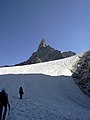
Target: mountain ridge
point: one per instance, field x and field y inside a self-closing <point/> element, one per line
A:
<point x="46" y="53"/>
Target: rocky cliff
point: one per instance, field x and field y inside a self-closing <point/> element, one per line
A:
<point x="46" y="53"/>
<point x="82" y="73"/>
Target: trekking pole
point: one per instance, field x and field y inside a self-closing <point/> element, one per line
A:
<point x="9" y="115"/>
<point x="15" y="106"/>
<point x="9" y="112"/>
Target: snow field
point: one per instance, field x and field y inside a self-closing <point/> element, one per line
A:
<point x="50" y="92"/>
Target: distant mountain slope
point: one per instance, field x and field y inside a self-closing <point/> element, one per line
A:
<point x="46" y="53"/>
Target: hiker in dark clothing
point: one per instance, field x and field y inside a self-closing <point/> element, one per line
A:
<point x="21" y="92"/>
<point x="3" y="104"/>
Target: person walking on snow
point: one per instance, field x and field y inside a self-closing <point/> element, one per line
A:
<point x="3" y="104"/>
<point x="21" y="92"/>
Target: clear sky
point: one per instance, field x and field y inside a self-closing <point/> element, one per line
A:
<point x="65" y="25"/>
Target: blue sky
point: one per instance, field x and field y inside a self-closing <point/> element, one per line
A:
<point x="65" y="25"/>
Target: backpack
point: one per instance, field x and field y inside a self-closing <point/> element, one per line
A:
<point x="21" y="90"/>
<point x="3" y="99"/>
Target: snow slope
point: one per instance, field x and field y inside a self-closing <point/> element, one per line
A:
<point x="50" y="92"/>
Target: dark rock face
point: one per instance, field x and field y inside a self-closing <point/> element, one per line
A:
<point x="42" y="44"/>
<point x="82" y="73"/>
<point x="68" y="54"/>
<point x="46" y="53"/>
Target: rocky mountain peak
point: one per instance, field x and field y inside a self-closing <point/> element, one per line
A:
<point x="42" y="44"/>
<point x="46" y="53"/>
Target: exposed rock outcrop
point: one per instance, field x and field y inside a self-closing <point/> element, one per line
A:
<point x="68" y="54"/>
<point x="46" y="53"/>
<point x="82" y="73"/>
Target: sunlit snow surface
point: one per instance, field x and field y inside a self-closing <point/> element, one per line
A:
<point x="50" y="92"/>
